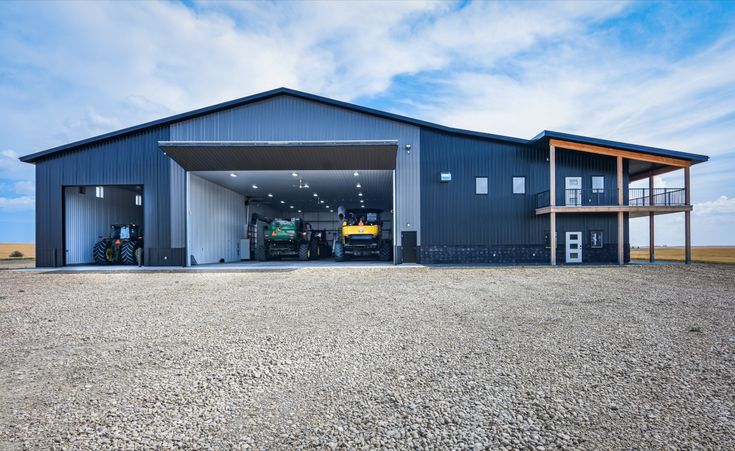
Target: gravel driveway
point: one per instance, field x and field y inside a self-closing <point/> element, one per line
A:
<point x="536" y="358"/>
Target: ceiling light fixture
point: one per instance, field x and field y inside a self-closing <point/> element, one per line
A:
<point x="331" y="211"/>
<point x="294" y="174"/>
<point x="362" y="206"/>
<point x="299" y="211"/>
<point x="270" y="195"/>
<point x="232" y="174"/>
<point x="315" y="195"/>
<point x="362" y="201"/>
<point x="359" y="194"/>
<point x="255" y="186"/>
<point x="283" y="201"/>
<point x="290" y="206"/>
<point x="355" y="173"/>
<point x="358" y="185"/>
<point x="321" y="201"/>
<point x="306" y="185"/>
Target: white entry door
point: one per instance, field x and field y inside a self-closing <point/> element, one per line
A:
<point x="574" y="247"/>
<point x="573" y="191"/>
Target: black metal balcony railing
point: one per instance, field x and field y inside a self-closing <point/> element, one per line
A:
<point x="641" y="197"/>
<point x="637" y="197"/>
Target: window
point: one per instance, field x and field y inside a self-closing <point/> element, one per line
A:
<point x="481" y="185"/>
<point x="598" y="184"/>
<point x="138" y="199"/>
<point x="99" y="191"/>
<point x="519" y="185"/>
<point x="596" y="239"/>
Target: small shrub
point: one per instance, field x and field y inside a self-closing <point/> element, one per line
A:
<point x="16" y="254"/>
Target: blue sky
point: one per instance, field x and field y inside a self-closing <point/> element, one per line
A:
<point x="660" y="74"/>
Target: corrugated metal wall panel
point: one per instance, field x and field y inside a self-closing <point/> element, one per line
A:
<point x="217" y="221"/>
<point x="131" y="160"/>
<point x="89" y="217"/>
<point x="452" y="214"/>
<point x="288" y="118"/>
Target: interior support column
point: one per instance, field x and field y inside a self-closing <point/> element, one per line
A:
<point x="552" y="202"/>
<point x="621" y="217"/>
<point x="687" y="219"/>
<point x="651" y="240"/>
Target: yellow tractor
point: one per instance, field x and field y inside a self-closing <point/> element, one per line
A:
<point x="360" y="235"/>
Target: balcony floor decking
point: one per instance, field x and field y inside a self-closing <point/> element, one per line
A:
<point x="635" y="211"/>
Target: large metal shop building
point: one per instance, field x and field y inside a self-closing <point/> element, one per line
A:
<point x="192" y="182"/>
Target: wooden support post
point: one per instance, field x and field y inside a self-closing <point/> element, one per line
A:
<point x="687" y="219"/>
<point x="621" y="216"/>
<point x="651" y="239"/>
<point x="552" y="202"/>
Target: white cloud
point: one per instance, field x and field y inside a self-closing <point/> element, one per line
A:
<point x="25" y="187"/>
<point x="23" y="203"/>
<point x="721" y="205"/>
<point x="12" y="168"/>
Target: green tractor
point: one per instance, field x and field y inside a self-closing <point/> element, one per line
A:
<point x="287" y="238"/>
<point x="123" y="246"/>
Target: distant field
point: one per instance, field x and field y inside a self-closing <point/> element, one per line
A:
<point x="28" y="249"/>
<point x="714" y="254"/>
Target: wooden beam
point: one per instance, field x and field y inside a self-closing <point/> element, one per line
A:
<point x="621" y="238"/>
<point x="552" y="237"/>
<point x="687" y="219"/>
<point x="620" y="180"/>
<point x="552" y="175"/>
<point x="601" y="150"/>
<point x="651" y="240"/>
<point x="552" y="202"/>
<point x="640" y="211"/>
<point x="659" y="171"/>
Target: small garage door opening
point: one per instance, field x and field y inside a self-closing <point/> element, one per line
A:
<point x="89" y="214"/>
<point x="230" y="211"/>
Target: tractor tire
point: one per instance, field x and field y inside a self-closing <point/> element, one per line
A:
<point x="139" y="255"/>
<point x="127" y="253"/>
<point x="339" y="252"/>
<point x="314" y="251"/>
<point x="99" y="253"/>
<point x="304" y="252"/>
<point x="386" y="251"/>
<point x="261" y="253"/>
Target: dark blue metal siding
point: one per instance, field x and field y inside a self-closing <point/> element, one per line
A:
<point x="131" y="160"/>
<point x="571" y="163"/>
<point x="452" y="214"/>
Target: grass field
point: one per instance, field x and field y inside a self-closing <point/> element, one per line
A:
<point x="704" y="254"/>
<point x="28" y="249"/>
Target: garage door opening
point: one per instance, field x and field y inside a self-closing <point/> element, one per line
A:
<point x="279" y="215"/>
<point x="103" y="223"/>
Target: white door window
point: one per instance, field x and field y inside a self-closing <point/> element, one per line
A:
<point x="574" y="247"/>
<point x="573" y="191"/>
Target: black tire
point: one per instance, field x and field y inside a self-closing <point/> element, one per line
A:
<point x="139" y="255"/>
<point x="339" y="252"/>
<point x="99" y="253"/>
<point x="261" y="253"/>
<point x="304" y="251"/>
<point x="385" y="252"/>
<point x="127" y="253"/>
<point x="314" y="251"/>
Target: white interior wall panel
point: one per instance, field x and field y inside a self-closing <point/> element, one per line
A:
<point x="287" y="118"/>
<point x="217" y="221"/>
<point x="88" y="217"/>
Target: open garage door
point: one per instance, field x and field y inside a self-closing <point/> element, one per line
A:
<point x="242" y="194"/>
<point x="89" y="213"/>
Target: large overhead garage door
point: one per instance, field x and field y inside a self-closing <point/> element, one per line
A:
<point x="230" y="181"/>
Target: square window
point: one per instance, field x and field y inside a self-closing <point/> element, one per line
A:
<point x="596" y="239"/>
<point x="481" y="185"/>
<point x="99" y="191"/>
<point x="598" y="184"/>
<point x="519" y="185"/>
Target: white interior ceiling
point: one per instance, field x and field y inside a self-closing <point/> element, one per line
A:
<point x="334" y="188"/>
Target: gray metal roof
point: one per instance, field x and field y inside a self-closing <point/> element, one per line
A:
<point x="32" y="158"/>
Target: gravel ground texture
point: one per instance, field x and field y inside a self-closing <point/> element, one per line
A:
<point x="635" y="357"/>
